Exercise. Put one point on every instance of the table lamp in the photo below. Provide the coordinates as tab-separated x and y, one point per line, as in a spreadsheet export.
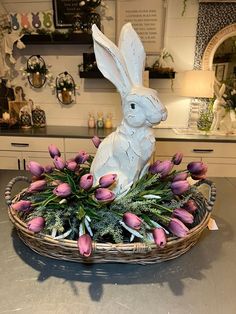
197	84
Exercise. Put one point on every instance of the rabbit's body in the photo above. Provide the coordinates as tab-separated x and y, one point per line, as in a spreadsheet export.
221	116
127	151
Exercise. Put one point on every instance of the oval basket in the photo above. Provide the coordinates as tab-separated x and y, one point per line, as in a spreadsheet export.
132	253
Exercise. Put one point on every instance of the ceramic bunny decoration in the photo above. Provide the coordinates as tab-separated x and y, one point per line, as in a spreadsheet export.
221	117
127	151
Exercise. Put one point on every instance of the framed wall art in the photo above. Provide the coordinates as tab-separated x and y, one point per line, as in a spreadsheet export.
64	12
147	18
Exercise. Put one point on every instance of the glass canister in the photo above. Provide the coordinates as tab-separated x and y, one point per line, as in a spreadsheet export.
38	117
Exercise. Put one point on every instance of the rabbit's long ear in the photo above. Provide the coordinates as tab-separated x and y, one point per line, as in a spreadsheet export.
222	90
133	51
110	61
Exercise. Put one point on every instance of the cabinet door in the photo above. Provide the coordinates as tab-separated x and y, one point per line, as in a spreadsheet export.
10	160
41	157
74	145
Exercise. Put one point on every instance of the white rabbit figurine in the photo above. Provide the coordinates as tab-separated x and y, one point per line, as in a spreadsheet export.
127	151
221	117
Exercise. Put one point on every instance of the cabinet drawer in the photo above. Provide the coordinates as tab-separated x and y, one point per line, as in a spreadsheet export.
195	149
74	145
30	143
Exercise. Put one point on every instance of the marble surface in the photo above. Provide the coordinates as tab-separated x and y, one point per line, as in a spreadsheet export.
84	132
200	281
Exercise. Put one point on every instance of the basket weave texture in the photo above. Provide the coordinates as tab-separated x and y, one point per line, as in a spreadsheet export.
132	253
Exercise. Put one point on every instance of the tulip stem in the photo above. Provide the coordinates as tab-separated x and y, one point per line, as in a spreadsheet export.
166	208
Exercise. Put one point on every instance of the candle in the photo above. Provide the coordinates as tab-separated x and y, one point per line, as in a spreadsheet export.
5	116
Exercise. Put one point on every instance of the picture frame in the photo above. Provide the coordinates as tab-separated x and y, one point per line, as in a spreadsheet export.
147	18
64	12
221	70
15	107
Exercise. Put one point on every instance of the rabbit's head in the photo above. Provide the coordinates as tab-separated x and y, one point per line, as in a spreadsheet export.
124	67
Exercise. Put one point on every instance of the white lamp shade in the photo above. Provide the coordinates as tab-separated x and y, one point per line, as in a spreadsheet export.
198	83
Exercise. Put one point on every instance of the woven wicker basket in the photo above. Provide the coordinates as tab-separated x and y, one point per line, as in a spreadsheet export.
132	253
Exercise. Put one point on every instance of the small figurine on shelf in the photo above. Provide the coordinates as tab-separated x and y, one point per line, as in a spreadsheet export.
100	121
91	121
108	121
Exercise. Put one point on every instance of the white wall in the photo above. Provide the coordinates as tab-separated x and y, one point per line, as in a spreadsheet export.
99	95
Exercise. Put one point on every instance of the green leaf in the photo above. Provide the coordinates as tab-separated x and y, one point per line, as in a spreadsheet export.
81	213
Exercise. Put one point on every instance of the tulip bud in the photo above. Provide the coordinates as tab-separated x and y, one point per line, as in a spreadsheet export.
22	205
71	165
183	215
132	220
199	176
164	167
152	168
48	169
35	168
177	158
182	176
96	141
59	163
104	195
53	151
62	190
86	181
36	224
37	186
82	157
190	206
159	236
84	244
197	167
107	180
179	187
177	228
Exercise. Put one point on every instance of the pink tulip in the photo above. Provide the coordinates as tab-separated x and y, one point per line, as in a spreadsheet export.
22	205
179	187
84	244
190	206
104	195
96	141
177	228
132	220
183	215
177	158
152	168
159	236
35	168
163	168
59	163
107	180
71	165
82	157
182	176
37	186
62	190
86	181
197	167
48	169
36	224
54	151
199	176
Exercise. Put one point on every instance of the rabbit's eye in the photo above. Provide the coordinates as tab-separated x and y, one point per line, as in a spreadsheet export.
132	106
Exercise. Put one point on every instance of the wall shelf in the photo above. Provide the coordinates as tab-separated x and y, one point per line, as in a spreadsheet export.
152	74
58	39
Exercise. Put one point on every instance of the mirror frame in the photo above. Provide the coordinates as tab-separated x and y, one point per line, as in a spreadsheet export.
214	43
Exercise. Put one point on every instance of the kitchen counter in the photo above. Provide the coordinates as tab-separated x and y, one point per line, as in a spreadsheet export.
84	132
200	281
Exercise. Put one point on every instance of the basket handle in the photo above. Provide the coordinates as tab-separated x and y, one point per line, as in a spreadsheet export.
9	186
210	202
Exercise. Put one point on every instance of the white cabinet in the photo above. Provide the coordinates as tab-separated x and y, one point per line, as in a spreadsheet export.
74	145
220	157
16	152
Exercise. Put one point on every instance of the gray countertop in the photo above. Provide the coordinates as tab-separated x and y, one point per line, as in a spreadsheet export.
84	132
200	281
